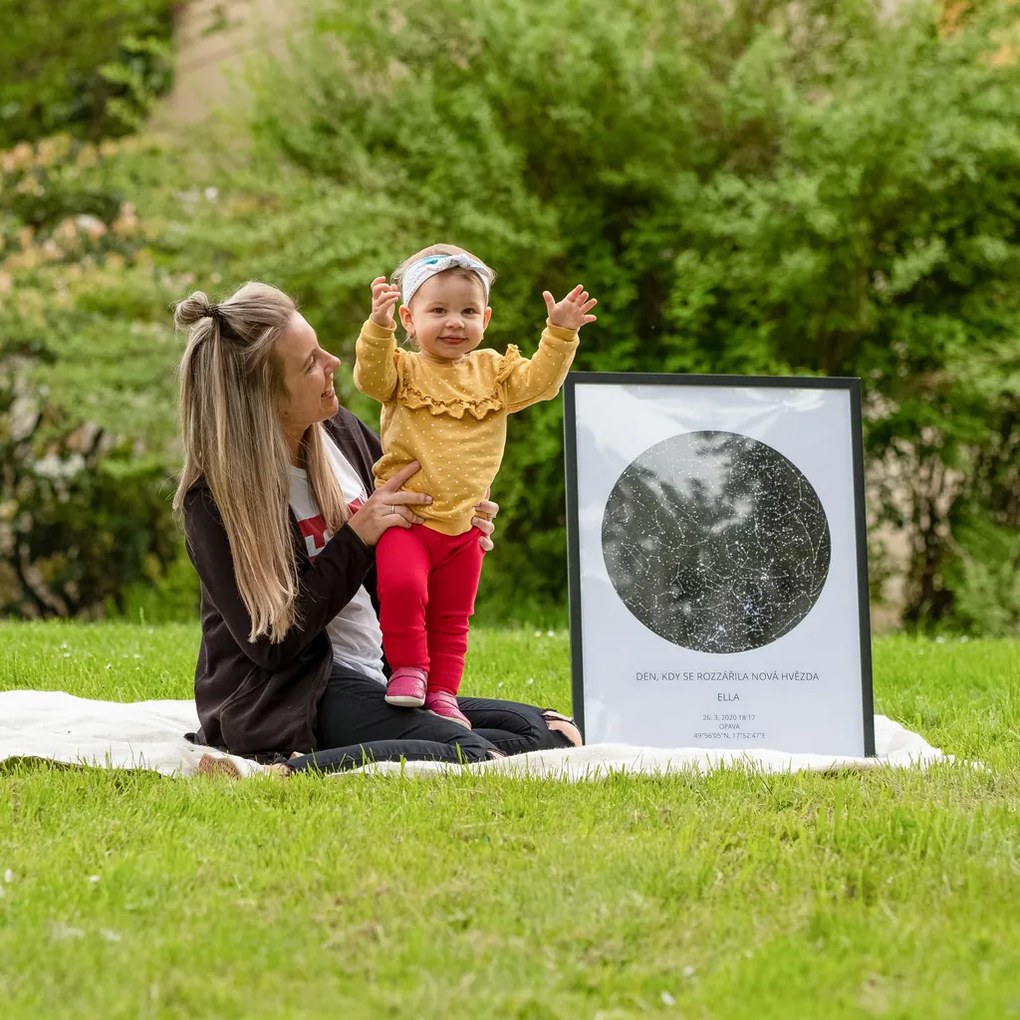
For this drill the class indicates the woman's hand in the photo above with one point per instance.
(487, 509)
(389, 506)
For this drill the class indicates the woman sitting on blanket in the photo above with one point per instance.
(280, 519)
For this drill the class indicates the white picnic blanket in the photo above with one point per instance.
(150, 735)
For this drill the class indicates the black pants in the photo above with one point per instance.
(355, 726)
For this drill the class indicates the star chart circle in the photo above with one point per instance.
(716, 542)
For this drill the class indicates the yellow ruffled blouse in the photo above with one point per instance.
(451, 418)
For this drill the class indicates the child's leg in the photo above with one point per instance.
(453, 584)
(402, 570)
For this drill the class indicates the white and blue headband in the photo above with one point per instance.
(432, 265)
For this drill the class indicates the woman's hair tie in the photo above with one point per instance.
(224, 327)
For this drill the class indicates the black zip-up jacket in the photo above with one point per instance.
(259, 698)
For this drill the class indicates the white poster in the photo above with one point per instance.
(718, 562)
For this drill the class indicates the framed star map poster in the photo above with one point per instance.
(718, 562)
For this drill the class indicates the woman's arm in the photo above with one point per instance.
(324, 588)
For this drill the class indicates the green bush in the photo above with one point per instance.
(86, 381)
(753, 186)
(985, 577)
(756, 186)
(84, 529)
(170, 593)
(90, 68)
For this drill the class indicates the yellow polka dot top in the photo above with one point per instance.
(451, 418)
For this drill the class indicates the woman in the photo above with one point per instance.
(280, 519)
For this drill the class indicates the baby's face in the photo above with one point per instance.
(447, 316)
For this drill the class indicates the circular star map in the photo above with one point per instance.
(716, 542)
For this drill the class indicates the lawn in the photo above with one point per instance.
(884, 893)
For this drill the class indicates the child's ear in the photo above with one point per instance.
(485, 320)
(406, 319)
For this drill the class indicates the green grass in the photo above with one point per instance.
(891, 894)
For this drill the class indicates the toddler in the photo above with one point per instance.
(445, 405)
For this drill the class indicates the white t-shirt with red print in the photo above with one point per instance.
(354, 631)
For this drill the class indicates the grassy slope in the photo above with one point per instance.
(886, 894)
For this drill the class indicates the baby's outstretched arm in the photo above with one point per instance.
(540, 377)
(374, 371)
(572, 311)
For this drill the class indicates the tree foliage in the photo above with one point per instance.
(748, 186)
(755, 186)
(86, 381)
(90, 68)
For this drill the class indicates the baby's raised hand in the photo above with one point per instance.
(384, 300)
(572, 311)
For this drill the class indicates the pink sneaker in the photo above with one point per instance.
(444, 704)
(406, 687)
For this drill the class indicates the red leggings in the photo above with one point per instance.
(427, 583)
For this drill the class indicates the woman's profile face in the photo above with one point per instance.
(308, 393)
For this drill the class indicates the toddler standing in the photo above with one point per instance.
(445, 405)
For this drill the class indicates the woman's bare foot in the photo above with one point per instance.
(210, 765)
(562, 724)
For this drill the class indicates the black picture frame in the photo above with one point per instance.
(592, 418)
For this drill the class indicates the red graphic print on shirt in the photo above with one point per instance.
(313, 529)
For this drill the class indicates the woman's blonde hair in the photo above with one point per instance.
(231, 383)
